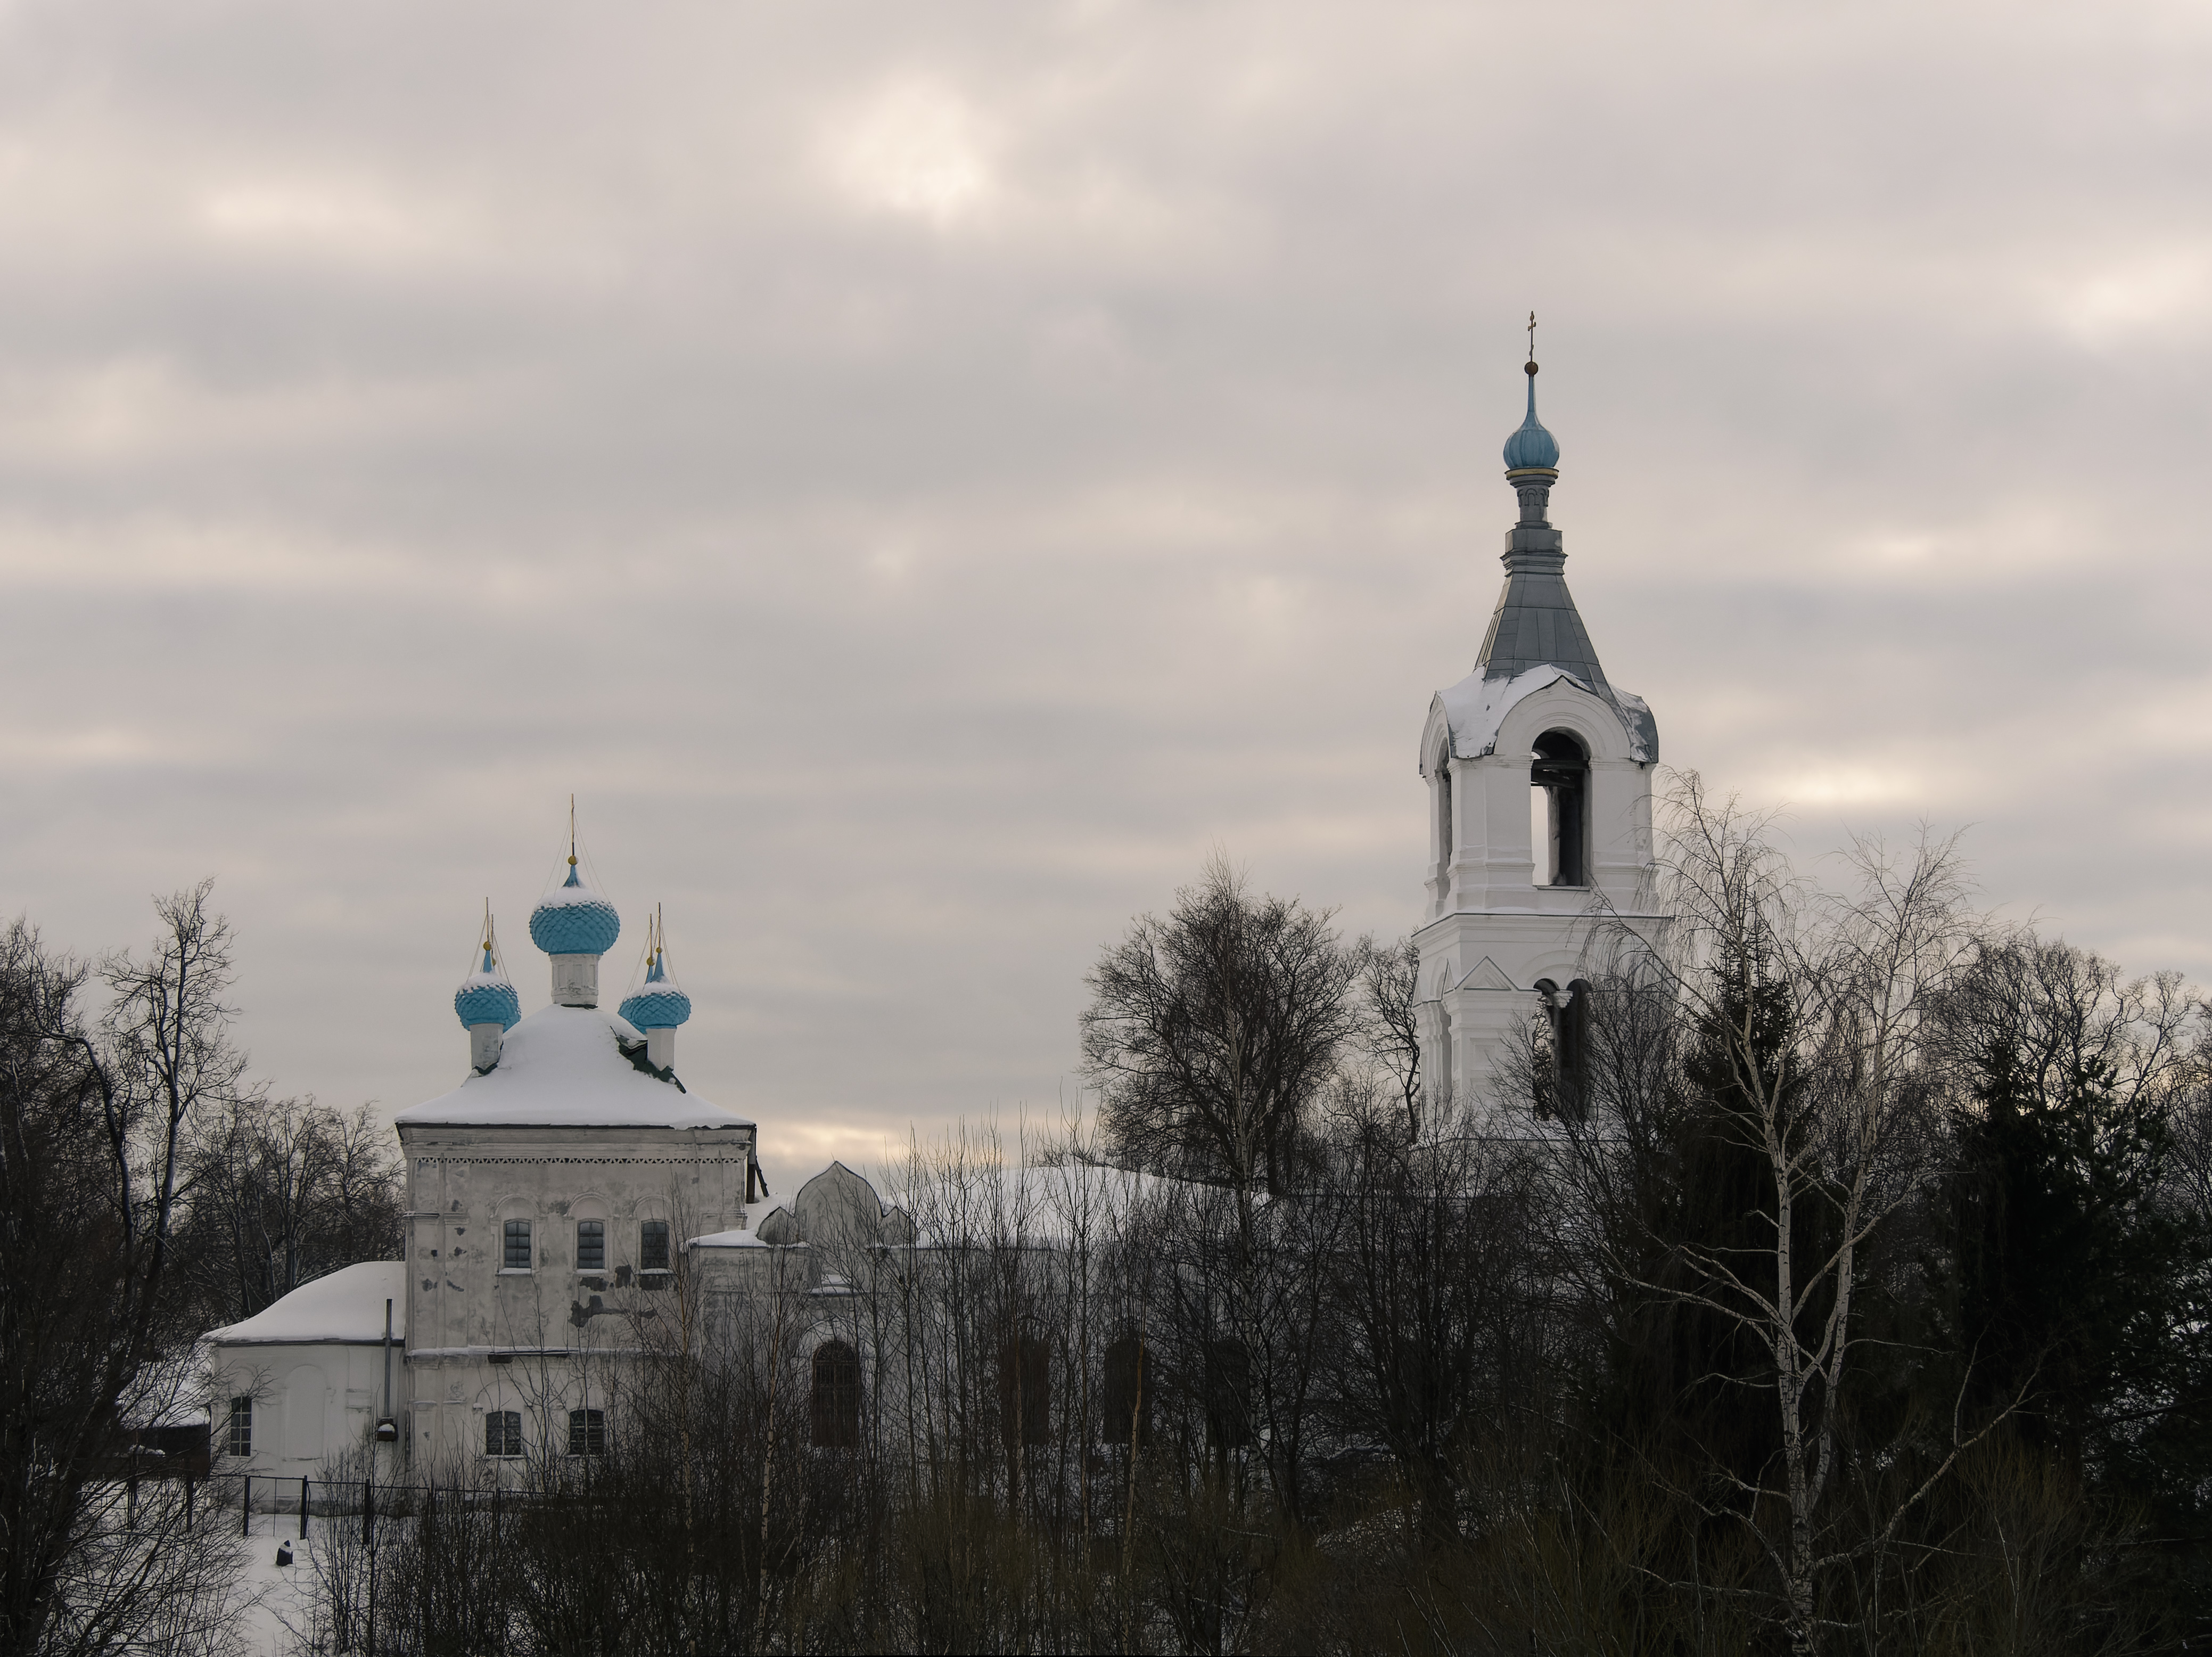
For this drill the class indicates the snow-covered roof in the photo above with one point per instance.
(346, 1306)
(1476, 706)
(562, 1068)
(744, 1237)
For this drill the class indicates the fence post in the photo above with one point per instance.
(246, 1508)
(303, 1507)
(368, 1513)
(188, 1501)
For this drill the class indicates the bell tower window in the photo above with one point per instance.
(1559, 810)
(1445, 846)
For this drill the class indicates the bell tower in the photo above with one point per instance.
(1539, 792)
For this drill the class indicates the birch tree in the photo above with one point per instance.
(1809, 1014)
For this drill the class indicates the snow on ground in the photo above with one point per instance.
(277, 1594)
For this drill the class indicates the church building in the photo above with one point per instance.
(549, 1194)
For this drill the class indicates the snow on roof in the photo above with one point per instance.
(744, 1237)
(346, 1306)
(1475, 707)
(562, 1068)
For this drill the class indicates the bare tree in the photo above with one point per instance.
(1389, 979)
(280, 1192)
(1210, 1033)
(94, 1122)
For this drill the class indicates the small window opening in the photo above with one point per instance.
(1128, 1394)
(503, 1433)
(1228, 1395)
(1025, 1390)
(835, 1401)
(653, 1245)
(1559, 810)
(588, 1433)
(591, 1245)
(516, 1256)
(238, 1436)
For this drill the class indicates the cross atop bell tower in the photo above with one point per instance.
(1539, 784)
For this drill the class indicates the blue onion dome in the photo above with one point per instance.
(485, 996)
(572, 919)
(1530, 445)
(660, 1005)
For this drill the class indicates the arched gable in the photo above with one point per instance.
(1564, 705)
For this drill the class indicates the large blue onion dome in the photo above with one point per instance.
(485, 996)
(660, 1005)
(1531, 446)
(572, 919)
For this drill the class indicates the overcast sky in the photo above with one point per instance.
(923, 475)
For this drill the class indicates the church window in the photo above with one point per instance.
(516, 1256)
(1444, 841)
(591, 1245)
(1228, 1395)
(1558, 802)
(1025, 1390)
(587, 1432)
(1128, 1393)
(503, 1433)
(238, 1436)
(653, 1245)
(835, 1401)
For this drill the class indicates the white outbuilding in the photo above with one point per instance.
(312, 1376)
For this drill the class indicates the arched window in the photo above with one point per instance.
(238, 1435)
(1445, 842)
(1559, 817)
(836, 1397)
(1228, 1395)
(1025, 1389)
(1128, 1394)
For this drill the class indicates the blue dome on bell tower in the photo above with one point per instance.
(1530, 447)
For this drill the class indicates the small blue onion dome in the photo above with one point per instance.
(486, 997)
(1530, 445)
(660, 1005)
(573, 920)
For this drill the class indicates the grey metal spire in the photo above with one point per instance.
(1535, 623)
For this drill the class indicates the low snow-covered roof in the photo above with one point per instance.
(562, 1067)
(346, 1306)
(744, 1237)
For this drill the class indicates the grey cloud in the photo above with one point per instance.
(922, 477)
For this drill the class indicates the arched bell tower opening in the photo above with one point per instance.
(1559, 810)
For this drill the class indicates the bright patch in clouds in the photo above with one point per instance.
(917, 150)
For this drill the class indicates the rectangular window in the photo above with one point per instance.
(587, 1432)
(653, 1245)
(591, 1245)
(517, 1258)
(238, 1439)
(503, 1433)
